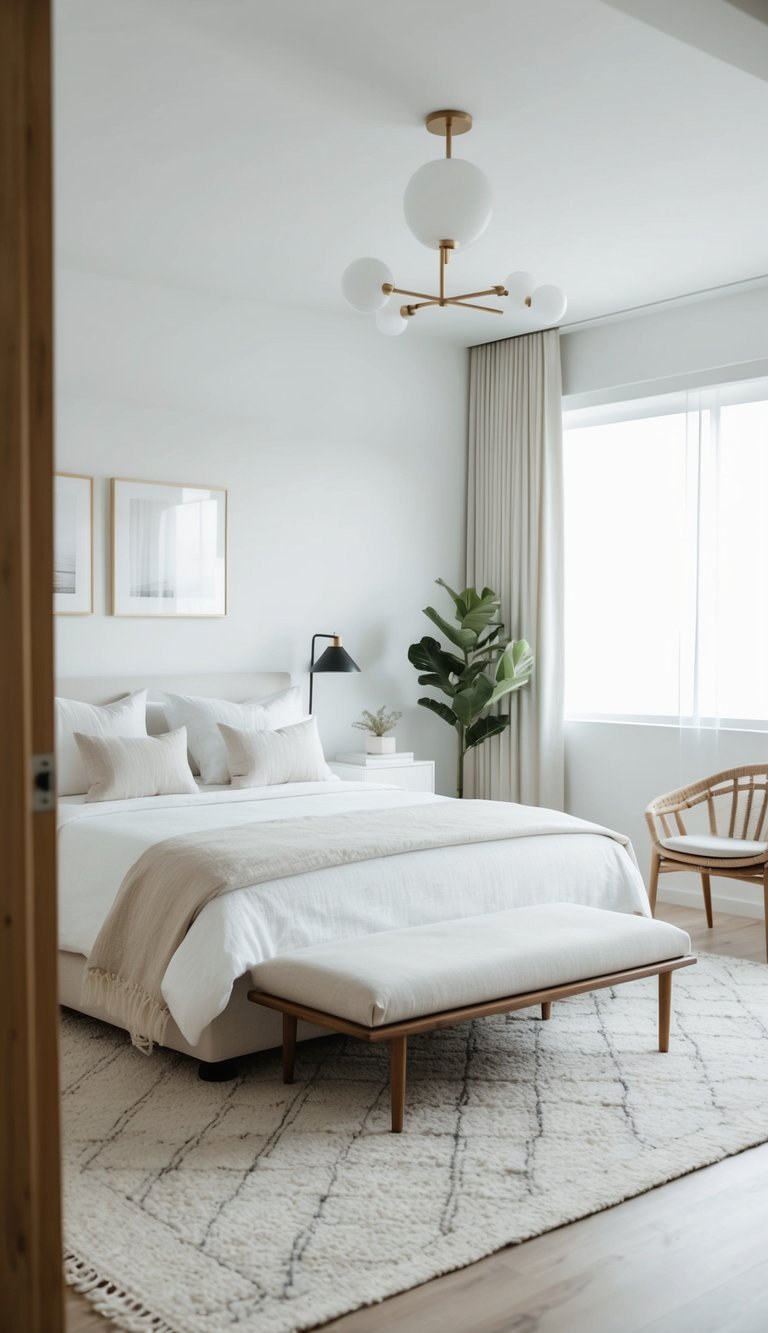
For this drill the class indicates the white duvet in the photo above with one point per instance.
(98, 843)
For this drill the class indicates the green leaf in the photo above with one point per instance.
(431, 679)
(481, 610)
(428, 655)
(463, 638)
(491, 725)
(442, 710)
(469, 702)
(514, 669)
(492, 634)
(458, 598)
(472, 671)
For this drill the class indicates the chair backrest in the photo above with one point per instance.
(736, 803)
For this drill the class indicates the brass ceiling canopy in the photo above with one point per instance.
(446, 123)
(447, 204)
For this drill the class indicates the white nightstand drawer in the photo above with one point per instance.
(416, 776)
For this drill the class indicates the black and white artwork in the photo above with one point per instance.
(73, 545)
(169, 549)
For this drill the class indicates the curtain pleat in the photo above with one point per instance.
(515, 546)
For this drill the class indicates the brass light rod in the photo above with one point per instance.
(442, 300)
(402, 291)
(489, 291)
(467, 305)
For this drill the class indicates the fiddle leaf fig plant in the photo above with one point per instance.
(484, 669)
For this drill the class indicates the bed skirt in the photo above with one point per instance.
(240, 1030)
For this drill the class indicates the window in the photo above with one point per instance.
(666, 552)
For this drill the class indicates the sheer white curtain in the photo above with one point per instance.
(666, 551)
(515, 545)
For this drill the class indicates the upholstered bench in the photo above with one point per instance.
(389, 986)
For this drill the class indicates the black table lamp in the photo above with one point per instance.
(335, 658)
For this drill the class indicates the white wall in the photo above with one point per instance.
(614, 769)
(699, 342)
(343, 452)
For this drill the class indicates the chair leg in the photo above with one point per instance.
(765, 908)
(546, 1009)
(398, 1052)
(289, 1046)
(665, 1009)
(707, 896)
(653, 882)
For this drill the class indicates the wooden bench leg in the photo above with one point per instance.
(289, 1046)
(707, 896)
(398, 1053)
(665, 1009)
(546, 1009)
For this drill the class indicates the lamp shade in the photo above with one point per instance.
(361, 283)
(548, 304)
(448, 200)
(519, 288)
(335, 658)
(390, 321)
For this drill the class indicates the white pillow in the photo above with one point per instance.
(266, 758)
(201, 717)
(124, 717)
(122, 768)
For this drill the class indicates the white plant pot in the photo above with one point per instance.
(380, 745)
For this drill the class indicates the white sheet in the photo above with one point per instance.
(98, 844)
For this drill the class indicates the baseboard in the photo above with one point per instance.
(726, 899)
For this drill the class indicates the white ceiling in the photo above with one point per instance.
(251, 149)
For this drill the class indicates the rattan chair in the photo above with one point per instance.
(736, 845)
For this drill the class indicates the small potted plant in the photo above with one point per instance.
(377, 725)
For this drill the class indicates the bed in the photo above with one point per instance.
(206, 982)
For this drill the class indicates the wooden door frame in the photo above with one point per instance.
(30, 1237)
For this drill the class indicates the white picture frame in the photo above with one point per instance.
(73, 544)
(169, 549)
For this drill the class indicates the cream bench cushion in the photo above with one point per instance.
(398, 975)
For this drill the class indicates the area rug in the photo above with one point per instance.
(193, 1207)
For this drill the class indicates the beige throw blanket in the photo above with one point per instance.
(172, 881)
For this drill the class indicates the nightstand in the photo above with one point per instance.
(417, 775)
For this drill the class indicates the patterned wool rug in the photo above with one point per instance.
(197, 1207)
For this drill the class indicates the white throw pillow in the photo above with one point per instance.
(123, 768)
(124, 717)
(267, 758)
(201, 717)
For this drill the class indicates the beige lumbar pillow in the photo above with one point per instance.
(123, 768)
(125, 717)
(268, 758)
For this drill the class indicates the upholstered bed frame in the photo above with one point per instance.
(241, 1029)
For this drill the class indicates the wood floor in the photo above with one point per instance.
(689, 1257)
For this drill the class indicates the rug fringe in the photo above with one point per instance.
(108, 1298)
(145, 1017)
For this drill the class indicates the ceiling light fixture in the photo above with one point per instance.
(447, 204)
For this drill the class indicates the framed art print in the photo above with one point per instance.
(73, 545)
(169, 549)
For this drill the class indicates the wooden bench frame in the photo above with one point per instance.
(396, 1034)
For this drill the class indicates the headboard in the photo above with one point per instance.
(236, 686)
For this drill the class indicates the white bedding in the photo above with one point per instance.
(99, 843)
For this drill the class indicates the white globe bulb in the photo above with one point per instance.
(548, 304)
(448, 200)
(361, 284)
(519, 286)
(390, 321)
